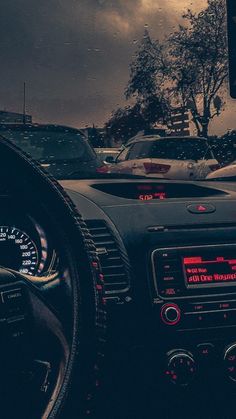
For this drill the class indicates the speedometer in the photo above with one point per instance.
(18, 251)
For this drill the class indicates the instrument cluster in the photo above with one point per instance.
(24, 247)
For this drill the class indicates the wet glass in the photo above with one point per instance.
(119, 71)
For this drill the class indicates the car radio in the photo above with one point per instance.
(195, 286)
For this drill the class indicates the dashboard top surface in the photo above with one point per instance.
(136, 216)
(107, 192)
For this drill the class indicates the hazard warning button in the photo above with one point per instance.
(201, 208)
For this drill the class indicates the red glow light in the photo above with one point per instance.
(160, 195)
(201, 208)
(192, 260)
(217, 270)
(149, 197)
(145, 197)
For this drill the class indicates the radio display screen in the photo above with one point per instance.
(209, 270)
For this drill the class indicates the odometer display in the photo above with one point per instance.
(18, 251)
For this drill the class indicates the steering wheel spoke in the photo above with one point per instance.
(24, 309)
(13, 306)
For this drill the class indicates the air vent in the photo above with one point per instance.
(112, 256)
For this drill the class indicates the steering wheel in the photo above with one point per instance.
(59, 317)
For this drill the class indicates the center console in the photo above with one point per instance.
(194, 297)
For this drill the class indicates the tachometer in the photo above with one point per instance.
(18, 251)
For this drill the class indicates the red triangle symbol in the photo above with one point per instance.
(201, 208)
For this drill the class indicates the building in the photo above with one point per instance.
(179, 124)
(13, 117)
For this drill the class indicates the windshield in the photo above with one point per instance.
(150, 86)
(50, 146)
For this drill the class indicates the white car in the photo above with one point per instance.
(182, 158)
(224, 172)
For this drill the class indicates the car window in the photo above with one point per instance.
(180, 150)
(51, 145)
(140, 150)
(123, 155)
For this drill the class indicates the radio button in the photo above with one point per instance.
(205, 350)
(170, 314)
(167, 254)
(169, 292)
(227, 318)
(224, 306)
(196, 321)
(230, 305)
(170, 278)
(201, 320)
(171, 265)
(198, 307)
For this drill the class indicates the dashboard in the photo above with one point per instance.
(168, 255)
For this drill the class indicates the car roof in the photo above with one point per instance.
(158, 138)
(40, 127)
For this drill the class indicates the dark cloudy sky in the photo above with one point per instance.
(74, 54)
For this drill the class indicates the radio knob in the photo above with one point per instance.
(230, 361)
(181, 368)
(170, 314)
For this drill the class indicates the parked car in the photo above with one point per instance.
(63, 151)
(224, 172)
(166, 157)
(106, 155)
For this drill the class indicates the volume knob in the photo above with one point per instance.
(170, 314)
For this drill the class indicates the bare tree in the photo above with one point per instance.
(147, 104)
(187, 70)
(198, 63)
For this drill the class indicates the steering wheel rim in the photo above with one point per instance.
(87, 302)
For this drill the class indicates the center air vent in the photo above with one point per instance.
(113, 258)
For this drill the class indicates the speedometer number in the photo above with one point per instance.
(18, 251)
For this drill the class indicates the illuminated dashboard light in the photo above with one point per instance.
(151, 196)
(170, 314)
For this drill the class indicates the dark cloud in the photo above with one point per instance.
(55, 47)
(74, 54)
